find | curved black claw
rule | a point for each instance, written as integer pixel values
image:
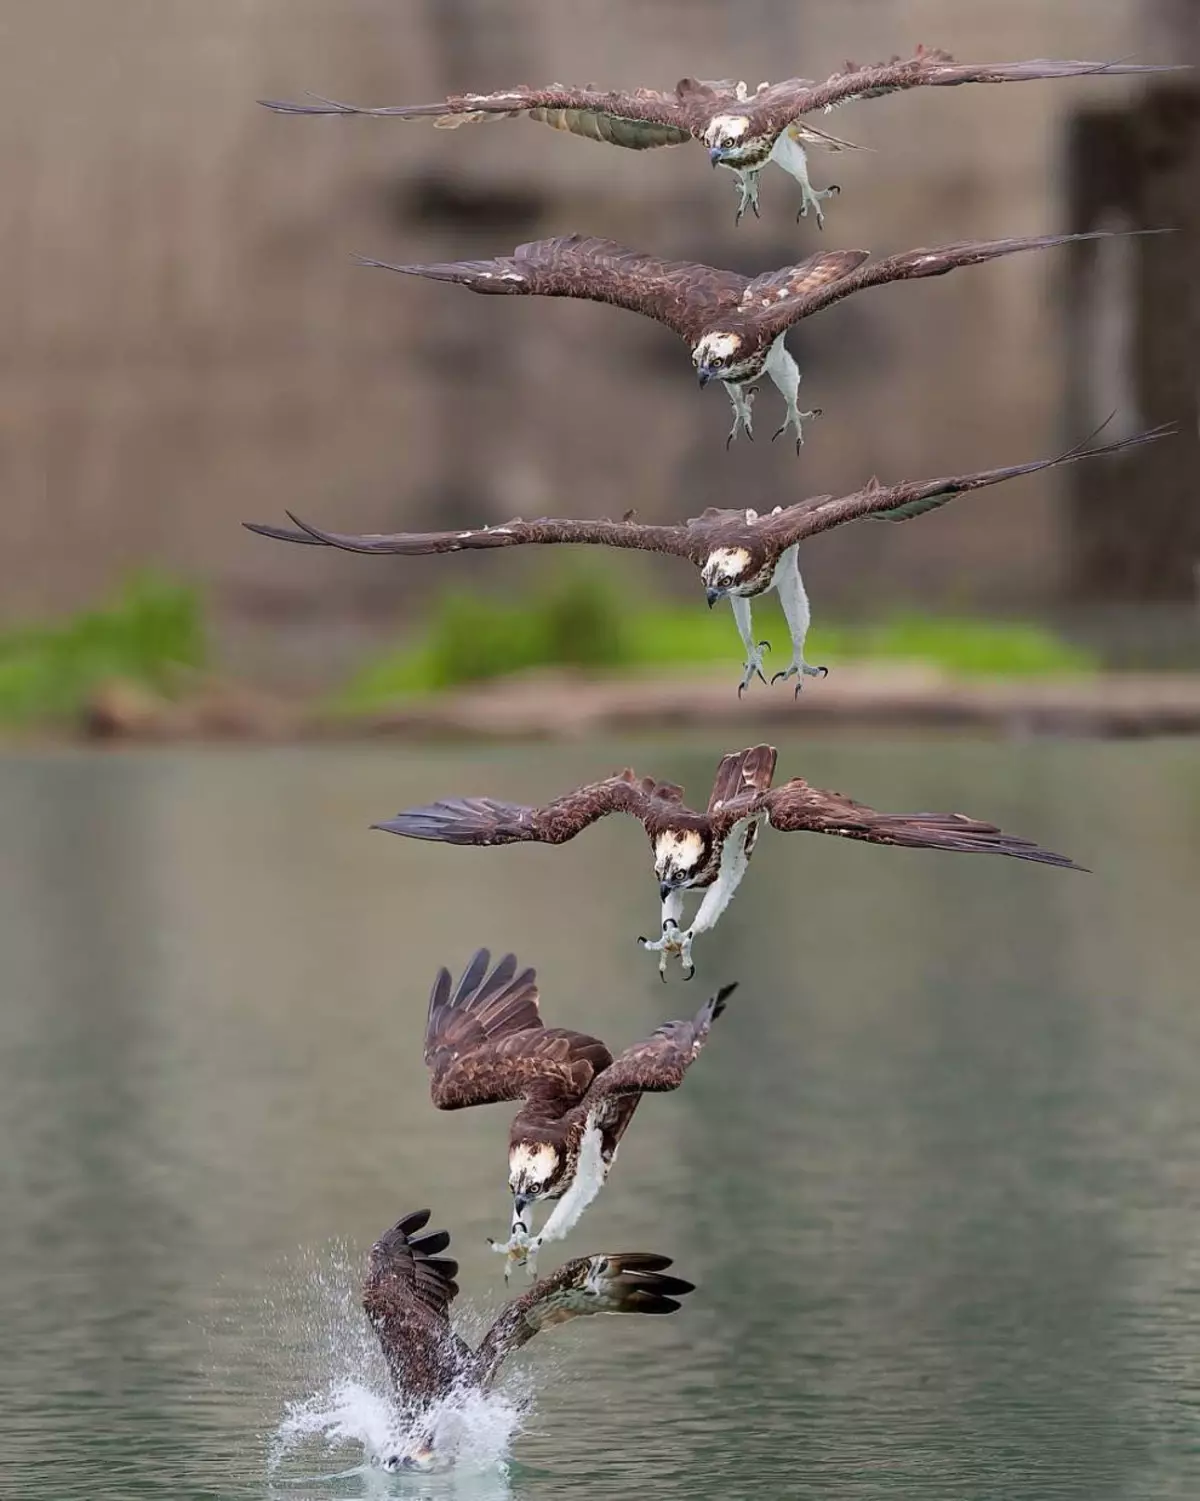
(728, 442)
(662, 975)
(642, 941)
(835, 188)
(777, 676)
(764, 646)
(823, 671)
(741, 690)
(691, 974)
(754, 206)
(779, 431)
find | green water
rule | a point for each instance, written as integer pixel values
(937, 1175)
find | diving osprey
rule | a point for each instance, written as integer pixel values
(742, 131)
(485, 1042)
(707, 851)
(407, 1294)
(740, 554)
(734, 325)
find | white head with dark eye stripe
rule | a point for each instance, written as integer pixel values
(731, 142)
(722, 354)
(534, 1169)
(679, 857)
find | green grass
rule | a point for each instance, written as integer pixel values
(145, 633)
(584, 619)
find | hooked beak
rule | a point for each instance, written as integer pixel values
(704, 374)
(715, 155)
(665, 889)
(712, 595)
(521, 1203)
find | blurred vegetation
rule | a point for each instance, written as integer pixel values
(148, 632)
(584, 618)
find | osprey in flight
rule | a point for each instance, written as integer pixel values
(740, 554)
(407, 1294)
(742, 130)
(485, 1042)
(734, 325)
(707, 851)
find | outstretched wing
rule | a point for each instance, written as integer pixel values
(658, 1064)
(769, 319)
(773, 293)
(915, 497)
(483, 820)
(796, 805)
(515, 533)
(624, 1282)
(779, 105)
(685, 295)
(638, 121)
(406, 1295)
(485, 1042)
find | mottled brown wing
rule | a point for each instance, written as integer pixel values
(658, 1064)
(779, 105)
(485, 821)
(621, 1282)
(684, 295)
(797, 806)
(405, 1267)
(638, 121)
(773, 293)
(740, 774)
(406, 1295)
(485, 1042)
(915, 497)
(515, 533)
(768, 320)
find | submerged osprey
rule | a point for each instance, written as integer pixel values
(734, 325)
(485, 1042)
(407, 1294)
(707, 851)
(742, 131)
(740, 554)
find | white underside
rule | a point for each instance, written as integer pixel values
(590, 1174)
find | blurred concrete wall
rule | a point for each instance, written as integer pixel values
(187, 344)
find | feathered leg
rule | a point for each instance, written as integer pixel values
(742, 398)
(792, 596)
(789, 154)
(785, 373)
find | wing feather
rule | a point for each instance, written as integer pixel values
(683, 295)
(742, 773)
(784, 102)
(659, 1063)
(914, 498)
(515, 533)
(622, 1282)
(797, 806)
(769, 321)
(485, 1042)
(485, 821)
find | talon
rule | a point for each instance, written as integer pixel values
(642, 941)
(741, 689)
(823, 672)
(776, 678)
(779, 431)
(764, 646)
(691, 972)
(799, 685)
(835, 188)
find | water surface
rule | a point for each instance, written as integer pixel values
(937, 1175)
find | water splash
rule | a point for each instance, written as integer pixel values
(348, 1422)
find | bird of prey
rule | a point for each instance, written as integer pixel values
(734, 325)
(742, 131)
(707, 851)
(485, 1042)
(740, 554)
(407, 1294)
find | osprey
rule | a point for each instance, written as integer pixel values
(742, 131)
(707, 851)
(485, 1042)
(740, 554)
(734, 325)
(407, 1294)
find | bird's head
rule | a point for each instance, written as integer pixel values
(417, 1457)
(679, 857)
(722, 355)
(724, 570)
(535, 1171)
(731, 142)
